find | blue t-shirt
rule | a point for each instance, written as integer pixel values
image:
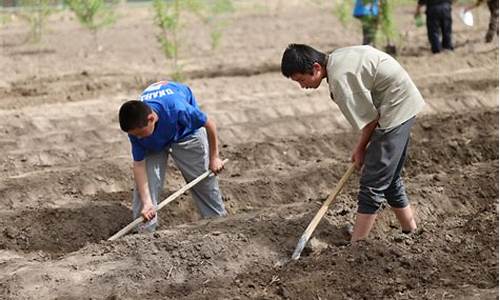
(178, 117)
(365, 8)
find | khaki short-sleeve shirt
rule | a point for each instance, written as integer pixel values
(365, 83)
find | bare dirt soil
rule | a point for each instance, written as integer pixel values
(66, 182)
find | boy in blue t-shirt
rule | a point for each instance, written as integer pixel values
(168, 118)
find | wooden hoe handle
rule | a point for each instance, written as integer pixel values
(309, 230)
(171, 198)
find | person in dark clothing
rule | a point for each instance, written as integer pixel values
(439, 23)
(493, 26)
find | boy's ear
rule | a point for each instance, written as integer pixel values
(316, 67)
(151, 117)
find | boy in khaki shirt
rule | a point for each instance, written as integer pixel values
(378, 98)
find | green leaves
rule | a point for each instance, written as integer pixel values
(36, 13)
(343, 11)
(92, 14)
(221, 6)
(169, 48)
(387, 19)
(214, 19)
(168, 17)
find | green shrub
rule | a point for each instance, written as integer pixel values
(168, 18)
(213, 17)
(343, 11)
(93, 14)
(387, 25)
(36, 12)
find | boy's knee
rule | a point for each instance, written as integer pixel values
(398, 203)
(368, 203)
(396, 195)
(213, 211)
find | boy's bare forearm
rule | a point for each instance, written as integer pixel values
(141, 181)
(213, 143)
(366, 134)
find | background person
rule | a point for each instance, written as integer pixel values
(439, 23)
(493, 25)
(367, 11)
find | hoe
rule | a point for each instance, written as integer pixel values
(309, 230)
(171, 198)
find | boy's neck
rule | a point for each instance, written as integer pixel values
(324, 69)
(324, 73)
(156, 118)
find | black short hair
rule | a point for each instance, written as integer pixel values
(299, 58)
(133, 114)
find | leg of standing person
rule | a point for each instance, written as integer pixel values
(446, 26)
(369, 25)
(156, 165)
(379, 178)
(433, 28)
(191, 157)
(493, 25)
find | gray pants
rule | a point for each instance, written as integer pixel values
(384, 160)
(191, 157)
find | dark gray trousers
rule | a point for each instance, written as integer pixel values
(380, 175)
(439, 27)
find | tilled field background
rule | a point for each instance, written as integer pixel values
(65, 185)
